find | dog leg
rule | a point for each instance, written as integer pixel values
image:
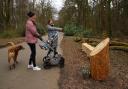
(15, 59)
(10, 67)
(17, 62)
(14, 66)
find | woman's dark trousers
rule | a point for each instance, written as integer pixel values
(33, 54)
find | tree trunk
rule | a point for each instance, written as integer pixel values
(99, 61)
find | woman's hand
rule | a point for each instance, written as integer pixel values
(62, 30)
(40, 37)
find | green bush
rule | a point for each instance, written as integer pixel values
(40, 29)
(21, 30)
(69, 30)
(78, 31)
(9, 34)
(72, 30)
(87, 33)
(85, 70)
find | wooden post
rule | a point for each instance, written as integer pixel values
(99, 60)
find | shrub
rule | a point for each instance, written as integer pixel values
(69, 30)
(9, 34)
(85, 70)
(87, 33)
(72, 30)
(40, 29)
(78, 31)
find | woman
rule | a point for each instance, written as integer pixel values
(53, 31)
(31, 36)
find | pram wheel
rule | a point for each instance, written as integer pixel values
(61, 62)
(44, 59)
(46, 63)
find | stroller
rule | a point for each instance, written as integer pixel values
(53, 58)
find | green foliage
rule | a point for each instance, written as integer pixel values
(72, 30)
(40, 29)
(78, 34)
(87, 33)
(85, 70)
(10, 34)
(69, 30)
(19, 32)
(78, 31)
(77, 39)
(16, 17)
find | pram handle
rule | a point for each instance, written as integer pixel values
(40, 38)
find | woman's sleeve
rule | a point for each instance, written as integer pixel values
(32, 29)
(53, 28)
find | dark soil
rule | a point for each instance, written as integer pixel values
(71, 76)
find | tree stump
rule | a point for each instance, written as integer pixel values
(87, 48)
(99, 60)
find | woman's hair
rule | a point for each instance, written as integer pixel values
(49, 21)
(30, 14)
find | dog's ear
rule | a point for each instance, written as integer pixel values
(21, 47)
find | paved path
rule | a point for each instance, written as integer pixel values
(21, 77)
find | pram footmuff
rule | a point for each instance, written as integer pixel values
(53, 58)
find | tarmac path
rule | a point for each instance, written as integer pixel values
(23, 78)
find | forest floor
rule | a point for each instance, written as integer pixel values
(71, 76)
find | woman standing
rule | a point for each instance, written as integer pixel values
(52, 32)
(31, 36)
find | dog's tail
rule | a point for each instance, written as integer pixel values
(11, 43)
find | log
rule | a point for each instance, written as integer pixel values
(112, 43)
(91, 40)
(115, 43)
(123, 48)
(99, 60)
(115, 46)
(87, 48)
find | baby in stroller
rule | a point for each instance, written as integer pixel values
(52, 58)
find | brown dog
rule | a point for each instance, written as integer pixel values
(12, 54)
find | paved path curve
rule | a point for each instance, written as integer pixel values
(21, 77)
